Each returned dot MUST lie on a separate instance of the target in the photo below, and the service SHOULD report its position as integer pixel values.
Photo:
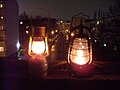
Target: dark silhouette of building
(9, 27)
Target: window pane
(1, 5)
(1, 17)
(1, 49)
(1, 27)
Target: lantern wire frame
(38, 41)
(80, 51)
(81, 31)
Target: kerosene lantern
(80, 52)
(37, 52)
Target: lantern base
(81, 75)
(37, 68)
(79, 71)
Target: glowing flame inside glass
(79, 52)
(38, 47)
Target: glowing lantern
(80, 56)
(38, 46)
(80, 53)
(37, 52)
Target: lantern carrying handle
(80, 26)
(82, 15)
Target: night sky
(63, 9)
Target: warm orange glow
(72, 34)
(90, 53)
(46, 46)
(80, 53)
(52, 32)
(30, 45)
(2, 49)
(38, 47)
(81, 57)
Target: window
(2, 17)
(1, 5)
(2, 49)
(1, 28)
(21, 22)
